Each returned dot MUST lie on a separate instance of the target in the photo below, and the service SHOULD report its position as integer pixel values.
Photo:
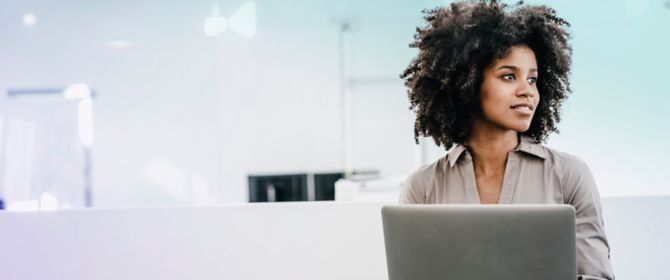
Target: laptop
(480, 242)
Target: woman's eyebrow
(514, 68)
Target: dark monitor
(272, 188)
(324, 185)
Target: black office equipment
(275, 188)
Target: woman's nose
(525, 89)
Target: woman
(488, 83)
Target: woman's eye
(509, 77)
(532, 80)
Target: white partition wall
(255, 241)
(263, 241)
(639, 234)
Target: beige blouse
(534, 174)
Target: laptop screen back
(480, 242)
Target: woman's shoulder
(576, 177)
(572, 173)
(552, 157)
(564, 161)
(419, 184)
(427, 172)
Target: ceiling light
(120, 44)
(29, 19)
(242, 21)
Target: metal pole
(345, 111)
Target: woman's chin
(521, 128)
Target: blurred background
(143, 103)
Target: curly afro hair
(455, 47)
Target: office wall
(182, 118)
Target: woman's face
(509, 93)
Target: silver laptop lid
(480, 242)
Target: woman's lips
(523, 109)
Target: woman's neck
(489, 147)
